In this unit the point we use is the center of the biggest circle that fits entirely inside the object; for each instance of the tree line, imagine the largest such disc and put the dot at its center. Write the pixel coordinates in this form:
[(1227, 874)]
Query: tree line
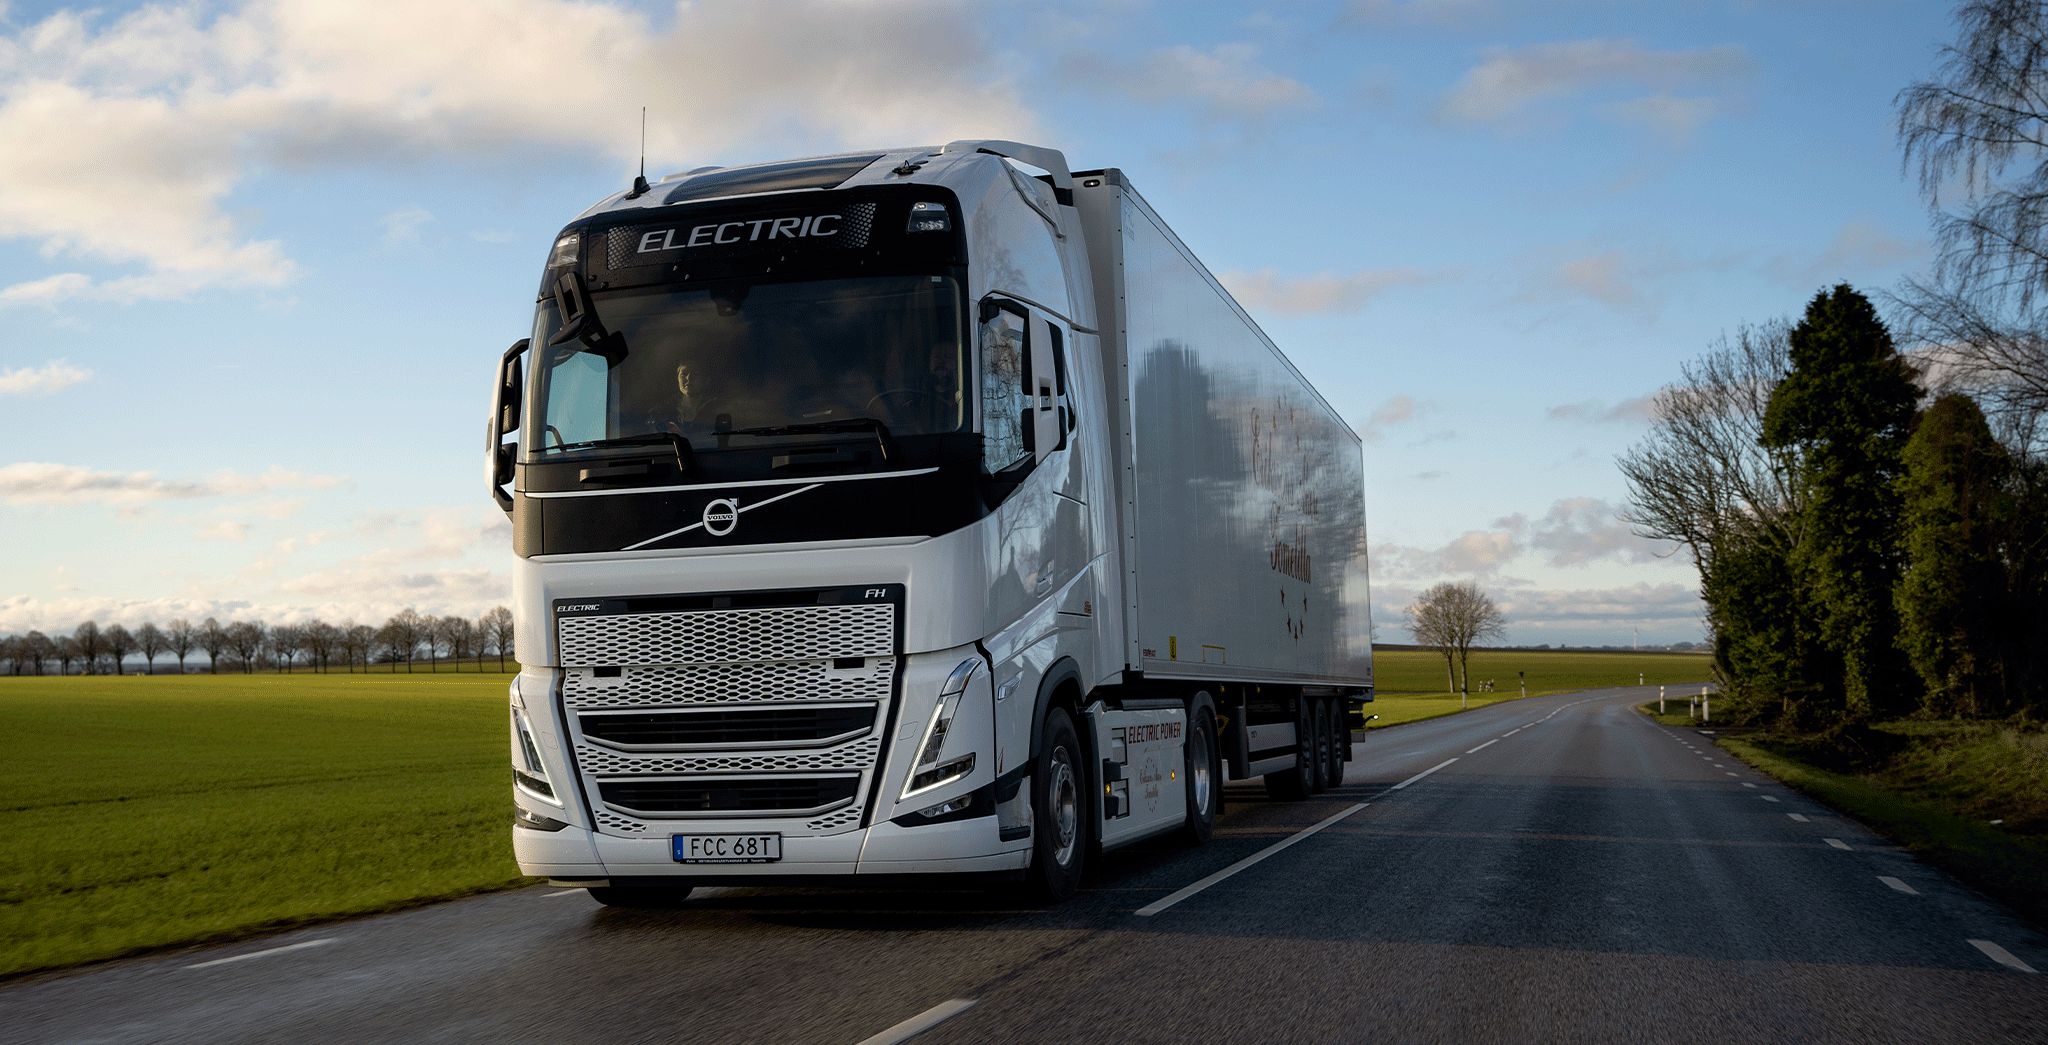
[(248, 646), (1870, 525)]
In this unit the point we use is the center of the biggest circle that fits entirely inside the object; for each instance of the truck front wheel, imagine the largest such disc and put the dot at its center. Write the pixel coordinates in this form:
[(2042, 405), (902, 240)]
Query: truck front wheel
[(1060, 824)]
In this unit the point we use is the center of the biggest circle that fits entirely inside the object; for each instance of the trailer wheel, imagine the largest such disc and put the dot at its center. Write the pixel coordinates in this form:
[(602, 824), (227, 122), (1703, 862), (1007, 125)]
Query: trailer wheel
[(1319, 764), (1340, 742), (1293, 784), (1205, 778), (1061, 825), (643, 898)]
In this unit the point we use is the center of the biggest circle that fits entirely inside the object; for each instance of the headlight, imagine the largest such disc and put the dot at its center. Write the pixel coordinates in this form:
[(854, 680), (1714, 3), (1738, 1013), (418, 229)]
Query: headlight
[(926, 771), (530, 775)]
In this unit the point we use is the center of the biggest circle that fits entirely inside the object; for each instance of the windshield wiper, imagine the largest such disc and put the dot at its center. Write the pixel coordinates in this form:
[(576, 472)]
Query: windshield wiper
[(685, 454), (849, 424)]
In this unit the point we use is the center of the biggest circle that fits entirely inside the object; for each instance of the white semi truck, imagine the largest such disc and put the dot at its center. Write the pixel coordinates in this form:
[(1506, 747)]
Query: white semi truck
[(909, 512)]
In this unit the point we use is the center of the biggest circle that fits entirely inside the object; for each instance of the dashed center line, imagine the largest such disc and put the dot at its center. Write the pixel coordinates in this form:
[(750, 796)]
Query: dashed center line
[(1837, 843), (1728, 772), (921, 1022), (263, 953), (1767, 798), (1747, 784), (1799, 817), (1157, 906), (2001, 956), (1484, 746), (1898, 885), (1422, 774)]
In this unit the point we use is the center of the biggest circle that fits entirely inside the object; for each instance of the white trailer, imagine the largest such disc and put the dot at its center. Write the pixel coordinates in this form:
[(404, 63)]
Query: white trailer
[(876, 513)]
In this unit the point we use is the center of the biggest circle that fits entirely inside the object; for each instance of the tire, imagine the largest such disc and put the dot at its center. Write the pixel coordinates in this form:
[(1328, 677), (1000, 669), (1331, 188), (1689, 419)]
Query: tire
[(1204, 773), (641, 898), (1319, 756), (1061, 827), (1292, 785), (1340, 742)]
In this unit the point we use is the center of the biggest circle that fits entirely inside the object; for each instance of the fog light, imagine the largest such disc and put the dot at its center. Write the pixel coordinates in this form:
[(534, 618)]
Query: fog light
[(943, 808), (944, 774), (534, 821)]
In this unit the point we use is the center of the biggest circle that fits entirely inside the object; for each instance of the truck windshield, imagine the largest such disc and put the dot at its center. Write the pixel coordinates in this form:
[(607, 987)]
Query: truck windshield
[(696, 362)]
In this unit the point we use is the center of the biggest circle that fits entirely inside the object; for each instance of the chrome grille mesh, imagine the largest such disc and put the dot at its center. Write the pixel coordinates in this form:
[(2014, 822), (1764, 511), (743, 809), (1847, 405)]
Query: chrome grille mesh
[(743, 636), (728, 683), (700, 658), (857, 754)]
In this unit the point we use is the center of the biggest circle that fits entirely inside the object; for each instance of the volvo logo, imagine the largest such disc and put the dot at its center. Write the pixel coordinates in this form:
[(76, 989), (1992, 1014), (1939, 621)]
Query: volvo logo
[(720, 516)]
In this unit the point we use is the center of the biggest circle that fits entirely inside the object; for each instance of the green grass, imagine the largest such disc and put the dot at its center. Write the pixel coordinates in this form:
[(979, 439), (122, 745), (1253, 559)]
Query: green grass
[(1935, 788), (1411, 683), (143, 812)]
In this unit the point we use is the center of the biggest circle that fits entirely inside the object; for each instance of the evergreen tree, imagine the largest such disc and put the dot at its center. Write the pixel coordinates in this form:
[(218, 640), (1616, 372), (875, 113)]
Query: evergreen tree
[(1844, 411), (1950, 594)]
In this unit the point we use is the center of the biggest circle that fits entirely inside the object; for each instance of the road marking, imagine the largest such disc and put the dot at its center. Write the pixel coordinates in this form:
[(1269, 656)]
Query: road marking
[(1744, 783), (1896, 884), (1731, 772), (565, 892), (1799, 817), (263, 953), (2001, 955), (1512, 732), (921, 1022), (1837, 843), (1422, 774), (1718, 765), (1767, 798), (1484, 746), (1157, 906)]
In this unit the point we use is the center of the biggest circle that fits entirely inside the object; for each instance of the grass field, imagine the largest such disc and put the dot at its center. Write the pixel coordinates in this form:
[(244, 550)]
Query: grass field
[(145, 812), (1411, 682), (149, 811)]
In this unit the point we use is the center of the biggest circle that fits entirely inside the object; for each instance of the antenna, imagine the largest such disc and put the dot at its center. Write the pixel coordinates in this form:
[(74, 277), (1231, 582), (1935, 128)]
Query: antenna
[(640, 185)]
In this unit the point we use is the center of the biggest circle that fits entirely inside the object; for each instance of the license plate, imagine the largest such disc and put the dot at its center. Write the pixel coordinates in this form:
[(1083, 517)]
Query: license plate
[(726, 849)]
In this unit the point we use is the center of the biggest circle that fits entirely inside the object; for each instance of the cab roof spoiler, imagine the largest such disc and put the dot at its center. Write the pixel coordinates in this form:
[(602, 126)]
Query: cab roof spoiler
[(1051, 161)]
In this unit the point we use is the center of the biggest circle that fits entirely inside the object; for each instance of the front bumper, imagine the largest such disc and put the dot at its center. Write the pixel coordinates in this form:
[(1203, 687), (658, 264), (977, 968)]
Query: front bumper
[(578, 855)]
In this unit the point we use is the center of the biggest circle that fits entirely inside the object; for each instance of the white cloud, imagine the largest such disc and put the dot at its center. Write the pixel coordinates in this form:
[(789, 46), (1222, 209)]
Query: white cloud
[(1858, 252), (1640, 408), (1603, 277), (41, 482), (1224, 83), (1661, 605), (1324, 292), (53, 376), (1398, 410), (1510, 82), (224, 530), (121, 139), (1581, 530), (402, 227), (1674, 119)]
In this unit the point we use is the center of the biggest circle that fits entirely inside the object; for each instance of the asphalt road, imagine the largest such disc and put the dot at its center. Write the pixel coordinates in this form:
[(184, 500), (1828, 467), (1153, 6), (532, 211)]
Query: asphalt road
[(1555, 868)]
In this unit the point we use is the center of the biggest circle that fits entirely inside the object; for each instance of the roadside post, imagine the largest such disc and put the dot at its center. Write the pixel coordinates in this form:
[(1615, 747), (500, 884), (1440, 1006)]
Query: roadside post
[(1660, 700), (1522, 680), (1639, 678), (1706, 706), (1692, 709)]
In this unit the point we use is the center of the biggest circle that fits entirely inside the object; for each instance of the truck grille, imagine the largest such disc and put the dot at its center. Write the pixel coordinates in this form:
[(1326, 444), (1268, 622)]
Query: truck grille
[(764, 712), (735, 796)]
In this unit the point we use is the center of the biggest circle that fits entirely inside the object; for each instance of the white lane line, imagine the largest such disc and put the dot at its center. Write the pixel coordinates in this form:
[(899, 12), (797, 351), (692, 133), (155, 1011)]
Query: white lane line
[(1422, 774), (1157, 906), (1728, 772), (2001, 956), (1512, 732), (921, 1022), (1837, 843), (565, 892), (1898, 885), (1801, 818), (1744, 783), (1767, 798), (1718, 765), (1484, 746), (263, 953)]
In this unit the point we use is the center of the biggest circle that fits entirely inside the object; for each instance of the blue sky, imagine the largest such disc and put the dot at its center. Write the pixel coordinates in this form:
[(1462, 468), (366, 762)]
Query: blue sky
[(257, 259)]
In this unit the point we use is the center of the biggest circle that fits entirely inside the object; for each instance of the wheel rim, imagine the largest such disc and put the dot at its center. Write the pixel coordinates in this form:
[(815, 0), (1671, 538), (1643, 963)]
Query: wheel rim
[(1066, 807), (1322, 743), (1198, 774)]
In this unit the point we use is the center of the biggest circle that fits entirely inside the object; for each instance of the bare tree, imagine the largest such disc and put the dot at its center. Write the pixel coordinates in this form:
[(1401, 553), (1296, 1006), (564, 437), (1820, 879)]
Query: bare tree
[(13, 650), (150, 641), (245, 640), (178, 638), (1451, 618), (212, 638), (461, 635), (1430, 624), (497, 624), (321, 639), (37, 647), (119, 644), (66, 653), (89, 644), (357, 640), (286, 640), (401, 636), (435, 631)]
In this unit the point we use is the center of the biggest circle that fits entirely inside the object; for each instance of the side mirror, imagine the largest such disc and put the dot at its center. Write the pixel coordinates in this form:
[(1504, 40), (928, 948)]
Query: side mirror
[(501, 458)]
